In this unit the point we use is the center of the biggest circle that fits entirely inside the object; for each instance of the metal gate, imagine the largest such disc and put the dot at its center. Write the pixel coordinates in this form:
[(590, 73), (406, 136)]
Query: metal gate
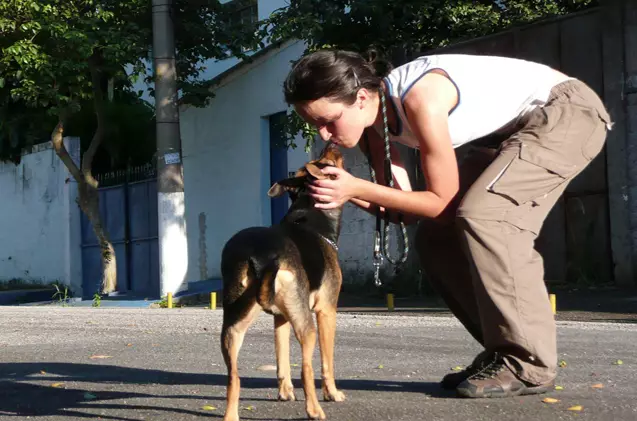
[(128, 206)]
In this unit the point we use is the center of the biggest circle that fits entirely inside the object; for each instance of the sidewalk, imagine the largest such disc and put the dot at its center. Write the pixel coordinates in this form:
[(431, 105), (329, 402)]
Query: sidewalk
[(594, 305)]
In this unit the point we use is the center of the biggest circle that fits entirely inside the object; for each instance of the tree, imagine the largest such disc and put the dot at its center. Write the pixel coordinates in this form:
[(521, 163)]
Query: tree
[(393, 28), (56, 54)]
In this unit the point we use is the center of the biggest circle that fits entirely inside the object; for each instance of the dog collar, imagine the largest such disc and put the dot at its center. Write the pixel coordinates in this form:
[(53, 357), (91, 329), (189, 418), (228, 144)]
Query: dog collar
[(327, 240), (330, 242)]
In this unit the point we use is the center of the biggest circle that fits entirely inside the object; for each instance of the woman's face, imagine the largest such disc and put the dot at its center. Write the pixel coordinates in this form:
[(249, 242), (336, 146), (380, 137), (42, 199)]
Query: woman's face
[(338, 122)]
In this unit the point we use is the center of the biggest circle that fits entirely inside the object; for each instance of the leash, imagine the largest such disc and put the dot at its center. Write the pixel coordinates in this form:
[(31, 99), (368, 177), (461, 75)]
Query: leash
[(389, 179)]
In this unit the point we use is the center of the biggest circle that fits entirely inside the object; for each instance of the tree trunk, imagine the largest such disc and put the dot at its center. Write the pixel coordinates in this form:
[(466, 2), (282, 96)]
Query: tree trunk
[(88, 199)]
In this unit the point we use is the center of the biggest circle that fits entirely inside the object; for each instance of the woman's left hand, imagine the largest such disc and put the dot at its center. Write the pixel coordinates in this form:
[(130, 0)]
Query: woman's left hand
[(332, 193)]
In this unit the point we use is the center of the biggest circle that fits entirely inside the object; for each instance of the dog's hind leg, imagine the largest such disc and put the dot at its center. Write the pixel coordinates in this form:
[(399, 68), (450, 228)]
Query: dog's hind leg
[(282, 346), (326, 319), (302, 321), (232, 334)]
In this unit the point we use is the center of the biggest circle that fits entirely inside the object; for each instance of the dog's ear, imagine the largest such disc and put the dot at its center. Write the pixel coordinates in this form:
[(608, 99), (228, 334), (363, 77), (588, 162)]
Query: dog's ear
[(315, 171), (279, 188)]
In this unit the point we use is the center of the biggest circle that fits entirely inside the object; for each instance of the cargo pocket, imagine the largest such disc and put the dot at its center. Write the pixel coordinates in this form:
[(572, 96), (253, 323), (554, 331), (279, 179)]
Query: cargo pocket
[(595, 143), (534, 172)]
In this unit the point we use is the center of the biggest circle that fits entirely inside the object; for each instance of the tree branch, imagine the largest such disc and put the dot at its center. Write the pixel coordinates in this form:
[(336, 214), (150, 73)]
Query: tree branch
[(57, 139), (100, 113)]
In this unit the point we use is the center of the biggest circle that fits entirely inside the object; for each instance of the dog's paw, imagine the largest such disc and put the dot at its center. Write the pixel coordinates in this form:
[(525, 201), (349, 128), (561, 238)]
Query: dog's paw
[(231, 417), (286, 392), (335, 396), (315, 412)]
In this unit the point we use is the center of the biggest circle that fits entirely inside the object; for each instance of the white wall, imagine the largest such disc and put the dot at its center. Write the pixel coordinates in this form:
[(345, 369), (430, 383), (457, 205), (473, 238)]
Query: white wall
[(226, 157), (39, 219)]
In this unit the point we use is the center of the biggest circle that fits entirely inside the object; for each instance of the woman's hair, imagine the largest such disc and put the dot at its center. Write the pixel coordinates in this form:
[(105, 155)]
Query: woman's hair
[(334, 74)]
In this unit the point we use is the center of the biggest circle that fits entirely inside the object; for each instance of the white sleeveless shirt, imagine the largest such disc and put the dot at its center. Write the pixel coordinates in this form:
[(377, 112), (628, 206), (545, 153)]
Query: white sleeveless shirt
[(493, 92)]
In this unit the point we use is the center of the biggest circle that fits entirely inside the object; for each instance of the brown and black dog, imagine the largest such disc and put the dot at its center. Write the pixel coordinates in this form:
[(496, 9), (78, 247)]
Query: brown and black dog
[(288, 270)]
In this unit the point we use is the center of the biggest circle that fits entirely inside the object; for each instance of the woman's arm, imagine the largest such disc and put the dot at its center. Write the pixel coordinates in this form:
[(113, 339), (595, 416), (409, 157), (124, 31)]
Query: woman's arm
[(373, 146), (427, 106)]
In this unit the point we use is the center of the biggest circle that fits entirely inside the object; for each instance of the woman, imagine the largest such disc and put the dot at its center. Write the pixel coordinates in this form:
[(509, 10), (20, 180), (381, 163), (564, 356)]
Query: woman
[(533, 129)]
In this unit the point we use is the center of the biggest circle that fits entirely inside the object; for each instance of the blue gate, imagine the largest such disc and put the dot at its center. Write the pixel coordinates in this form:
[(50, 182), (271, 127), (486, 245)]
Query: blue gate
[(128, 206)]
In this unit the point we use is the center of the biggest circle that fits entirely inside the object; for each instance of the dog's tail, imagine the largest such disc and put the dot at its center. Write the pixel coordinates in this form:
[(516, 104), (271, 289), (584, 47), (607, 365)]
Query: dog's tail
[(264, 276)]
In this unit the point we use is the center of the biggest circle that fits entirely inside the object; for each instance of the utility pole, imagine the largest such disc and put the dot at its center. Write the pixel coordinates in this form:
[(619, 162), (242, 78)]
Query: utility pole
[(173, 247)]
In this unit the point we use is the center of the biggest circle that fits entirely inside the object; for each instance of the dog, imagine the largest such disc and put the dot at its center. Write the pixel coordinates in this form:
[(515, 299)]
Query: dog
[(288, 270)]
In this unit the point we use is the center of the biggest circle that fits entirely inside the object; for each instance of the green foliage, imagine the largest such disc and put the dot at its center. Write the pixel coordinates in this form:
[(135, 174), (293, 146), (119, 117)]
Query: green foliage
[(97, 300), (395, 28), (49, 46), (62, 294), (129, 138)]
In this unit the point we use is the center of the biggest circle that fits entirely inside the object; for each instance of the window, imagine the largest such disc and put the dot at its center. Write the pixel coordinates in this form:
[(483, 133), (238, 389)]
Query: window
[(242, 14)]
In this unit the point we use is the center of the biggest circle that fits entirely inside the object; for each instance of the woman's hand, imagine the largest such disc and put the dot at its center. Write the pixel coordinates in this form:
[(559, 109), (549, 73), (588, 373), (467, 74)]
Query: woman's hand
[(333, 193)]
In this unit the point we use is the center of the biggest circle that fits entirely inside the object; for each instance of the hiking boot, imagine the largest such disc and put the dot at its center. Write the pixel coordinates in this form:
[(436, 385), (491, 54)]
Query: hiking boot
[(496, 380), (453, 380)]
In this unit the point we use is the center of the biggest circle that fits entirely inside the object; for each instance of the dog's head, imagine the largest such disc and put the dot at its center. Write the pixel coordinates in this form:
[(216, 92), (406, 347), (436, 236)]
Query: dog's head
[(295, 186)]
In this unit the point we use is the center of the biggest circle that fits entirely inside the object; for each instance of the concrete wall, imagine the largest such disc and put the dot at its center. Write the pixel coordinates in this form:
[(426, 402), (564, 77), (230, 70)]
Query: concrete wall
[(39, 219), (226, 158)]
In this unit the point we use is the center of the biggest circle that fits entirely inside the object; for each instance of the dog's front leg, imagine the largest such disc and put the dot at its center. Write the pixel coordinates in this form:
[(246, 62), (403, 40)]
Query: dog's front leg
[(282, 346), (326, 319), (305, 332)]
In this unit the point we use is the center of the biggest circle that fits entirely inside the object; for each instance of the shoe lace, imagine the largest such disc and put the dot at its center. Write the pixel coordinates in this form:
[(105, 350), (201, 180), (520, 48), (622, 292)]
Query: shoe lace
[(491, 369)]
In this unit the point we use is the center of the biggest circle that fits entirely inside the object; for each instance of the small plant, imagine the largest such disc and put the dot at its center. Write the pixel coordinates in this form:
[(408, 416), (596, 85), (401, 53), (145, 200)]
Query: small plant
[(164, 303), (62, 294), (97, 300)]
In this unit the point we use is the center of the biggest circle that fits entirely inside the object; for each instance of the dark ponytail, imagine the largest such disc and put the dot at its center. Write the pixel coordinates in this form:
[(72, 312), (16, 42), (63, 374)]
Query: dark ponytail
[(334, 74)]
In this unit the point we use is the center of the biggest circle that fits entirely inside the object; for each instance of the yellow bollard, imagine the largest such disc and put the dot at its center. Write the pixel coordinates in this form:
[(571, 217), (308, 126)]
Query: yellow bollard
[(553, 303), (170, 300), (390, 302), (213, 301)]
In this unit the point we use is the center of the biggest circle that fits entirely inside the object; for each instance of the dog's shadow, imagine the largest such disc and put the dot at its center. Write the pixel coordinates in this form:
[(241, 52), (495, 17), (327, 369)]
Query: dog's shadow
[(19, 396)]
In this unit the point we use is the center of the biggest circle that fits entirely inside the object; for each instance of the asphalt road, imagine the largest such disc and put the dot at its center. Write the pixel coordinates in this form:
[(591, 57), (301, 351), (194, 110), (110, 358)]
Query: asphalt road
[(159, 364)]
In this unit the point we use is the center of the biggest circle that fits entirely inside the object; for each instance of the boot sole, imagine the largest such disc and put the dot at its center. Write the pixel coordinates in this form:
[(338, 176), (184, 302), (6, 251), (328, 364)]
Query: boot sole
[(534, 390)]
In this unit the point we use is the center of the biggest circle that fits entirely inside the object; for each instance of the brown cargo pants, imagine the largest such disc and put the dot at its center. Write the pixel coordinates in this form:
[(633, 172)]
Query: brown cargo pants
[(484, 264)]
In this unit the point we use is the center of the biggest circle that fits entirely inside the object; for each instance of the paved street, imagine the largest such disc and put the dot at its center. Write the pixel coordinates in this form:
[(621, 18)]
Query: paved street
[(159, 364)]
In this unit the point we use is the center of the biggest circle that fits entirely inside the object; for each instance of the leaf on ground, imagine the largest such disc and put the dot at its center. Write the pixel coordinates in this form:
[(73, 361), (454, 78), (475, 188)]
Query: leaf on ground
[(457, 368), (380, 366), (559, 388), (377, 323), (576, 408), (267, 367), (249, 408), (562, 363), (129, 344), (550, 400), (618, 362), (57, 385), (100, 357), (294, 365), (208, 408), (597, 386), (89, 396)]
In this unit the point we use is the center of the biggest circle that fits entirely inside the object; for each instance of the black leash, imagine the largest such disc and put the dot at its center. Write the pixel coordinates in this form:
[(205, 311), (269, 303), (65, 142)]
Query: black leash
[(389, 179)]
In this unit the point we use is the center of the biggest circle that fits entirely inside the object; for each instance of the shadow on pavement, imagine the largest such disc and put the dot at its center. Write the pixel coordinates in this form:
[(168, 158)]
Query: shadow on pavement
[(19, 398)]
